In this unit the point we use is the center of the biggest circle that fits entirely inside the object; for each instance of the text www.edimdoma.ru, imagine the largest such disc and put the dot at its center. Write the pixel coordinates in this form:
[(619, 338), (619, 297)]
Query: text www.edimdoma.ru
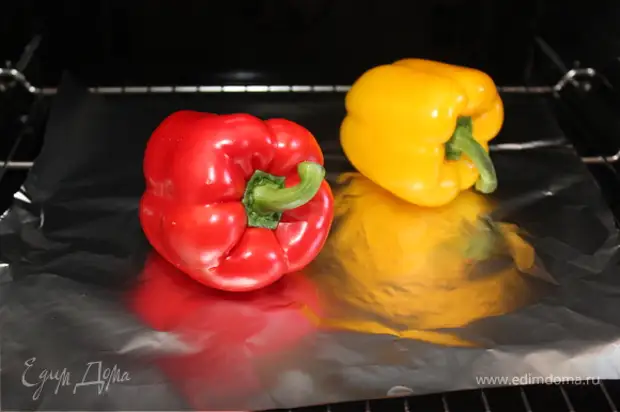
[(528, 379)]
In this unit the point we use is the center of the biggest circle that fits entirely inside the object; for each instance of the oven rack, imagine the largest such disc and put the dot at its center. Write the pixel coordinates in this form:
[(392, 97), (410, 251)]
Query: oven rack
[(568, 398), (10, 75), (482, 400)]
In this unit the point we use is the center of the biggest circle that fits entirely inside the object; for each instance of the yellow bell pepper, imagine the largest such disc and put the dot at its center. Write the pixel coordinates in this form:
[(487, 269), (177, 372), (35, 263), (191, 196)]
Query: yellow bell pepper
[(420, 129), (393, 267)]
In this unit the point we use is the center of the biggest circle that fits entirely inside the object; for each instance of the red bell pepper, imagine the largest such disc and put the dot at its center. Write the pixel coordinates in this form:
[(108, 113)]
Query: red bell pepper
[(233, 201), (231, 336)]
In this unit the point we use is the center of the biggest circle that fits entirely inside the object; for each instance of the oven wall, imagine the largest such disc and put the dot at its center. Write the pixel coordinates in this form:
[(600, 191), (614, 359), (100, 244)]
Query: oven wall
[(587, 32), (307, 40)]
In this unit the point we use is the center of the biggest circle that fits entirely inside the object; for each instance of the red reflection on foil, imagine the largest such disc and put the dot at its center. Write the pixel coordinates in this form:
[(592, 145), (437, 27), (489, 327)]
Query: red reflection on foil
[(229, 333)]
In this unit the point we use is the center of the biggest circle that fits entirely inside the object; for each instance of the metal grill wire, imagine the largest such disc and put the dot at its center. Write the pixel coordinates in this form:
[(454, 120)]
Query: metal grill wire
[(522, 399), (571, 77), (14, 76)]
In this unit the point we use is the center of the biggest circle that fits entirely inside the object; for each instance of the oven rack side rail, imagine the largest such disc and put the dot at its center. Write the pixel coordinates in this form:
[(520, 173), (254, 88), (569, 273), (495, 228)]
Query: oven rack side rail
[(12, 76)]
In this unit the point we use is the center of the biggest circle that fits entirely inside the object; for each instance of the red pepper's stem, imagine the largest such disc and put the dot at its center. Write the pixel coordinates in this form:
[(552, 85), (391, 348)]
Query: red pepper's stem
[(269, 198), (462, 141)]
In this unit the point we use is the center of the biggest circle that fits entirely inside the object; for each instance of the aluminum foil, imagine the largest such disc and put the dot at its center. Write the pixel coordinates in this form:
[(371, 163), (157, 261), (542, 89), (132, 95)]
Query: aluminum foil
[(517, 288)]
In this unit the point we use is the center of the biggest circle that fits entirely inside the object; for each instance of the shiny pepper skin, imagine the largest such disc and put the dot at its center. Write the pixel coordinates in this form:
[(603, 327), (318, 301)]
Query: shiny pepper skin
[(420, 129), (234, 201)]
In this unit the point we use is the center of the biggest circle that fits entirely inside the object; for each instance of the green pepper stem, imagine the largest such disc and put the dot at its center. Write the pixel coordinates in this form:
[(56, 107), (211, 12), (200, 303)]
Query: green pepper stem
[(463, 141), (270, 198)]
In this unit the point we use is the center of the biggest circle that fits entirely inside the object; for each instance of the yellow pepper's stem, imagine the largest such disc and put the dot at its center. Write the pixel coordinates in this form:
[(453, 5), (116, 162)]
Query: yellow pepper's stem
[(463, 142)]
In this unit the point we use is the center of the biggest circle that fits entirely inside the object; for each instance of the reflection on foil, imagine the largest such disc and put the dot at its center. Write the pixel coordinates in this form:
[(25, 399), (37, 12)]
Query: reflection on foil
[(234, 337), (390, 267)]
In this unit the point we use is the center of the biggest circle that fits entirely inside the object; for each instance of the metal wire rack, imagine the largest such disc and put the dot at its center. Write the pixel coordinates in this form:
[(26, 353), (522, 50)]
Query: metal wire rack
[(522, 399), (513, 399), (13, 75), (603, 396)]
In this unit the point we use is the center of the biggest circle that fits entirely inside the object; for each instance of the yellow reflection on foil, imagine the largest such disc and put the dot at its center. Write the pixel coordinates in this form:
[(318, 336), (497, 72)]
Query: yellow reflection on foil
[(390, 267)]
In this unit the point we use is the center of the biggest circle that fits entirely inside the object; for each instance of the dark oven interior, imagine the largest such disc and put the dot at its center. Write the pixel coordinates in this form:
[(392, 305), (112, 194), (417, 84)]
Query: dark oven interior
[(558, 62)]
